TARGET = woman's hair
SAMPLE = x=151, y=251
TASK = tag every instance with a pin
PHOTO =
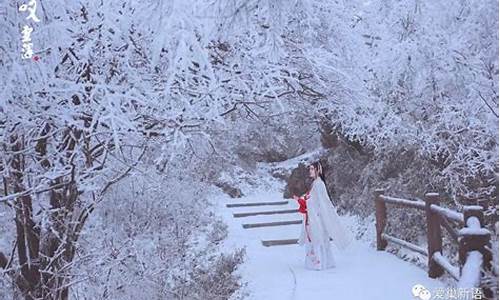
x=317, y=166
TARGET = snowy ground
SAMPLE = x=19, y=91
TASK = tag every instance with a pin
x=278, y=272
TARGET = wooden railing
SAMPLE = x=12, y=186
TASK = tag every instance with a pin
x=474, y=247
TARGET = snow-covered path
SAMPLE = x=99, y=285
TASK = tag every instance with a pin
x=278, y=272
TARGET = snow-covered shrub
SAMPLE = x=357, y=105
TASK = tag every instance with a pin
x=218, y=232
x=151, y=239
x=215, y=280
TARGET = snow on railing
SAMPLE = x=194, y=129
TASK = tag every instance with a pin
x=448, y=213
x=473, y=231
x=473, y=238
x=474, y=250
x=405, y=244
x=471, y=271
x=404, y=202
x=443, y=262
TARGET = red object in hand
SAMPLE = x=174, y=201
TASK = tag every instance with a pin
x=303, y=206
x=302, y=203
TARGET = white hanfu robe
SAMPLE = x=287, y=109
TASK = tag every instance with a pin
x=323, y=224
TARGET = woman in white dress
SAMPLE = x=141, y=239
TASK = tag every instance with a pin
x=321, y=223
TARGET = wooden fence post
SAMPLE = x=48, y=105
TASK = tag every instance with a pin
x=475, y=242
x=479, y=242
x=381, y=217
x=434, y=237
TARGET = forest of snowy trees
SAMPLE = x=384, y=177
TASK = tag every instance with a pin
x=132, y=110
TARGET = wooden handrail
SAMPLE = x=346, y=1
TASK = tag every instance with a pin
x=403, y=202
x=448, y=214
x=471, y=271
x=405, y=244
x=473, y=239
x=446, y=265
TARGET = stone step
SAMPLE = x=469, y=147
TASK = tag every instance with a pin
x=280, y=223
x=256, y=204
x=271, y=212
x=279, y=242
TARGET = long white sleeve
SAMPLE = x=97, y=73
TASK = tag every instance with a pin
x=340, y=235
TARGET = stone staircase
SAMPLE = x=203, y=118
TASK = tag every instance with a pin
x=277, y=218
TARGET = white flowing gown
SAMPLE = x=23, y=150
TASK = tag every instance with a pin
x=323, y=224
